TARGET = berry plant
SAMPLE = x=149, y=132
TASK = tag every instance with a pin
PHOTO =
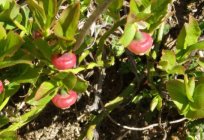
x=48, y=47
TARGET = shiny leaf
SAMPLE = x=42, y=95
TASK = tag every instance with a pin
x=38, y=13
x=10, y=45
x=154, y=103
x=128, y=35
x=189, y=34
x=70, y=81
x=177, y=93
x=198, y=97
x=81, y=85
x=168, y=60
x=5, y=64
x=43, y=90
x=67, y=24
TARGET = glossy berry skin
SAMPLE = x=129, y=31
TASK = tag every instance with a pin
x=142, y=46
x=64, y=61
x=1, y=87
x=65, y=101
x=37, y=34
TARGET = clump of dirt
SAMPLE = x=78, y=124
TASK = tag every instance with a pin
x=54, y=123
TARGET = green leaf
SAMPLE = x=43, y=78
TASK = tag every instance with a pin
x=87, y=2
x=67, y=24
x=168, y=63
x=136, y=15
x=1, y=97
x=195, y=114
x=189, y=86
x=46, y=99
x=5, y=64
x=28, y=75
x=168, y=60
x=154, y=103
x=10, y=12
x=4, y=120
x=38, y=13
x=9, y=135
x=143, y=4
x=159, y=9
x=50, y=8
x=177, y=93
x=43, y=90
x=128, y=35
x=13, y=11
x=76, y=70
x=25, y=17
x=116, y=5
x=44, y=48
x=81, y=85
x=43, y=94
x=189, y=34
x=183, y=54
x=177, y=70
x=83, y=55
x=25, y=14
x=196, y=46
x=32, y=50
x=92, y=65
x=10, y=90
x=5, y=4
x=198, y=97
x=84, y=67
x=10, y=45
x=201, y=62
x=137, y=98
x=159, y=105
x=133, y=7
x=70, y=81
x=60, y=76
x=3, y=32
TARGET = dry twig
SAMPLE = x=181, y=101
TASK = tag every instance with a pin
x=83, y=32
x=146, y=127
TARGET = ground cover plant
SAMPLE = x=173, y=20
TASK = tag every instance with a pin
x=108, y=63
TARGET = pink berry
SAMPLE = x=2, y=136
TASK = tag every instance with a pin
x=1, y=87
x=142, y=46
x=64, y=61
x=65, y=101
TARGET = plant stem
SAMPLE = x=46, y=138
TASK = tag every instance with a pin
x=100, y=9
x=161, y=32
x=106, y=35
x=151, y=126
x=108, y=108
x=20, y=26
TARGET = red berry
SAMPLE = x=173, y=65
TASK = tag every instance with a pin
x=1, y=87
x=37, y=34
x=65, y=101
x=142, y=46
x=64, y=61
